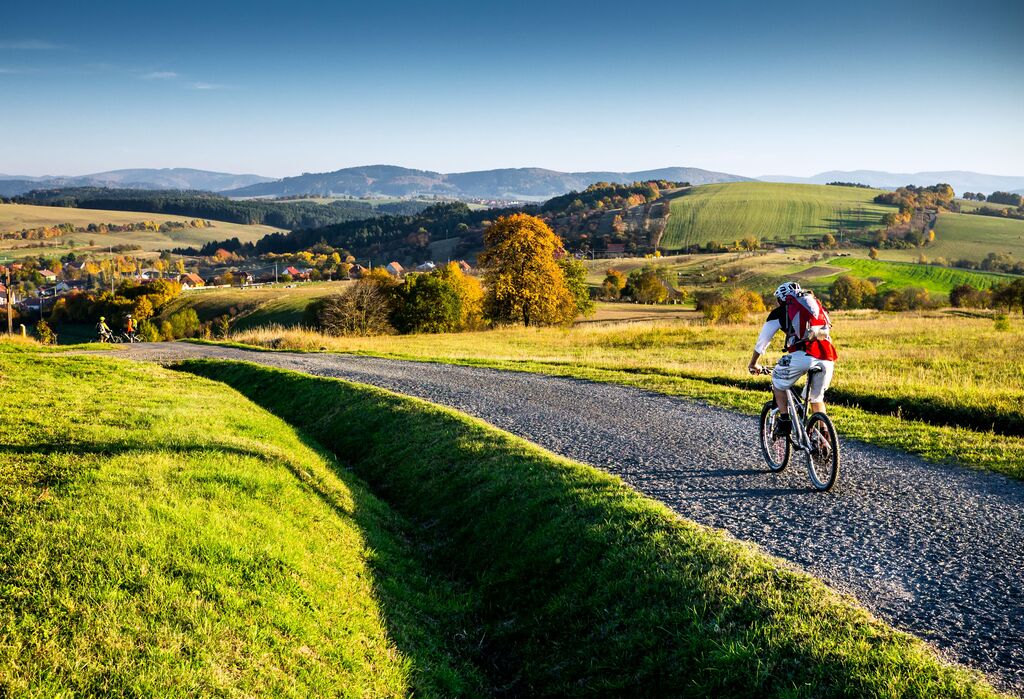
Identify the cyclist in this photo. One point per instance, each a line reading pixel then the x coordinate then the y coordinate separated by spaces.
pixel 104 330
pixel 129 327
pixel 806 324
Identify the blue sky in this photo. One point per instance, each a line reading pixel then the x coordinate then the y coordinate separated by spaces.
pixel 281 88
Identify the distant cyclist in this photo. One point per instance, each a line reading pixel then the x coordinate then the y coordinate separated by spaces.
pixel 129 327
pixel 104 330
pixel 806 324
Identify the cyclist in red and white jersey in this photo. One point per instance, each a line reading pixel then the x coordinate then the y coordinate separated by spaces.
pixel 806 324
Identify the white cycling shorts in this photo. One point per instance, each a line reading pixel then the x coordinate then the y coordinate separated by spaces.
pixel 794 365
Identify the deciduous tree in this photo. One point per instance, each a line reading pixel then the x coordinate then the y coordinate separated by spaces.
pixel 523 282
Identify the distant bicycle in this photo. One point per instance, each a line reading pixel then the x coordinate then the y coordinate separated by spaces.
pixel 814 436
pixel 108 337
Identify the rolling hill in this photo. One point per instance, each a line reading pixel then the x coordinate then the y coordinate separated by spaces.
pixel 17 217
pixel 508 183
pixel 139 178
pixel 970 237
pixel 961 181
pixel 769 211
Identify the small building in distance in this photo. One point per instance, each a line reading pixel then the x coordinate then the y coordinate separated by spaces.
pixel 464 266
pixel 426 267
pixel 395 269
pixel 191 280
pixel 356 272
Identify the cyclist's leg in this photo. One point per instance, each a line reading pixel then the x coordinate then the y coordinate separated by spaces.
pixel 819 383
pixel 787 372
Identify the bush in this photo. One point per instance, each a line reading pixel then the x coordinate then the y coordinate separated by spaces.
pixel 646 286
pixel 184 323
pixel 365 309
pixel 45 334
pixel 851 292
pixel 148 331
pixel 444 300
pixel 734 306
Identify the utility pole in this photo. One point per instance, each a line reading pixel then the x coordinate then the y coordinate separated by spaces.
pixel 10 305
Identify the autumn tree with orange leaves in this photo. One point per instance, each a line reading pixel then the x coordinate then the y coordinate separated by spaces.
pixel 524 283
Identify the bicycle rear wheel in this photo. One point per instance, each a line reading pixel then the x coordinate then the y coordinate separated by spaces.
pixel 823 456
pixel 775 451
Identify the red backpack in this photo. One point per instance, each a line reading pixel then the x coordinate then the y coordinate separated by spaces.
pixel 807 326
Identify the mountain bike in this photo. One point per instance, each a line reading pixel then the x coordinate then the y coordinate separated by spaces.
pixel 814 436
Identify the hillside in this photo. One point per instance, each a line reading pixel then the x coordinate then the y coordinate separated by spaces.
pixel 140 178
pixel 961 181
pixel 506 184
pixel 971 237
pixel 18 217
pixel 779 213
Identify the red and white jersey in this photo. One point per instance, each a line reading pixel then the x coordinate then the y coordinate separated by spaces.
pixel 806 324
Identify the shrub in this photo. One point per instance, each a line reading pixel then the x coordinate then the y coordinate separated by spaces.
pixel 148 331
pixel 444 300
pixel 646 286
pixel 734 306
pixel 365 309
pixel 45 334
pixel 184 323
pixel 851 292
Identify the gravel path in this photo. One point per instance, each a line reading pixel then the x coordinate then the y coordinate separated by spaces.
pixel 934 550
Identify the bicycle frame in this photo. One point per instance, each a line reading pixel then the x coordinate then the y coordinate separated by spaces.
pixel 798 415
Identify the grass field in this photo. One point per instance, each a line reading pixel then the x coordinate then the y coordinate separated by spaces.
pixel 935 384
pixel 969 236
pixel 586 587
pixel 163 536
pixel 257 306
pixel 15 217
pixel 771 212
pixel 897 275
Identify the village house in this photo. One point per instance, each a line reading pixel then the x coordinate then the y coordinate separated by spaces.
pixel 464 266
pixel 395 269
pixel 356 272
pixel 48 275
pixel 426 267
pixel 191 280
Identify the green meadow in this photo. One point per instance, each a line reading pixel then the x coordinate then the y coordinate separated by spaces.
pixel 772 212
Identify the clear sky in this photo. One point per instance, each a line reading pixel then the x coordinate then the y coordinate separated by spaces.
pixel 280 88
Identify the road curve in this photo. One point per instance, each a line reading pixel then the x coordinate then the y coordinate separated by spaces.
pixel 935 550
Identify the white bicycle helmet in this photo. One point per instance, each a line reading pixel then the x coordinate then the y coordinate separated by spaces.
pixel 787 289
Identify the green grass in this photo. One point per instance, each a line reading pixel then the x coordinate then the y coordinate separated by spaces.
pixel 897 275
pixel 587 587
pixel 162 536
pixel 255 307
pixel 771 212
pixel 15 217
pixel 970 236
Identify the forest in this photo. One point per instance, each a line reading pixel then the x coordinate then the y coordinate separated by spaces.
pixel 290 215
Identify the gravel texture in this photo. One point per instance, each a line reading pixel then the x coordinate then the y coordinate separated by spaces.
pixel 935 550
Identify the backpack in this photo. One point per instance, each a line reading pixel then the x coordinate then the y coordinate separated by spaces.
pixel 806 321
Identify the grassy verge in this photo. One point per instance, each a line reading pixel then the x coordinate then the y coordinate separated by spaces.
pixel 162 536
pixel 586 587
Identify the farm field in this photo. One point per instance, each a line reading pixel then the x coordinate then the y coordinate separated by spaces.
pixel 15 217
pixel 934 367
pixel 897 275
pixel 252 307
pixel 772 212
pixel 969 236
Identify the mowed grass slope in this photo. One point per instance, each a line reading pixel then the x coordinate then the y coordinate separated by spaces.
pixel 253 307
pixel 896 275
pixel 162 536
pixel 588 588
pixel 769 211
pixel 16 217
pixel 970 236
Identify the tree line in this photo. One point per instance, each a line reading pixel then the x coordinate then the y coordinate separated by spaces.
pixel 205 205
pixel 527 279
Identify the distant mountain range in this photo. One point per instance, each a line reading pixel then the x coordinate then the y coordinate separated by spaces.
pixel 145 178
pixel 960 180
pixel 528 184
pixel 508 183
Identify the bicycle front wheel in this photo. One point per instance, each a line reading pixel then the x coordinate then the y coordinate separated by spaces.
pixel 775 450
pixel 823 456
